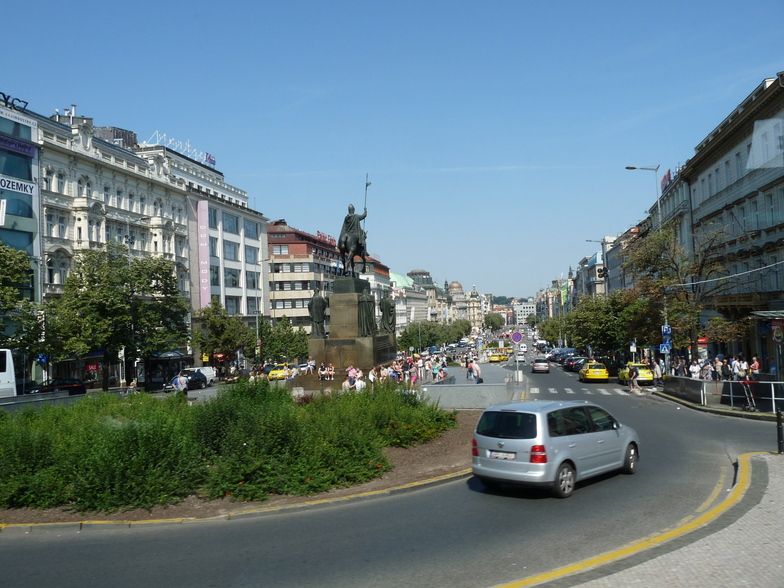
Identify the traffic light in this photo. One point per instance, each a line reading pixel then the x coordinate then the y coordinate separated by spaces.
pixel 602 272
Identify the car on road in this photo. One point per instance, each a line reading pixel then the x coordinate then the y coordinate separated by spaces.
pixel 568 364
pixel 209 373
pixel 541 365
pixel 550 444
pixel 71 385
pixel 645 377
pixel 498 356
pixel 592 371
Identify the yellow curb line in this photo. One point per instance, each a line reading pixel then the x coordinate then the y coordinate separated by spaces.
pixel 237 513
pixel 737 493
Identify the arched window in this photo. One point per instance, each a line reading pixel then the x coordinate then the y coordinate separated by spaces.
pixel 60 183
pixel 119 198
pixel 131 201
pixel 89 190
pixel 48 175
pixel 106 195
pixel 80 188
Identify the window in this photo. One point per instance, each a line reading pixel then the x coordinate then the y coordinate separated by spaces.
pixel 119 198
pixel 233 305
pixel 212 216
pixel 106 195
pixel 48 180
pixel 142 205
pixel 88 190
pixel 251 280
pixel 80 189
pixel 280 249
pixel 231 250
pixel 251 254
pixel 253 305
pixel 50 225
pixel 507 425
pixel 214 246
pixel 61 227
pixel 61 183
pixel 16 165
pixel 602 421
pixel 231 223
pixel 727 178
pixel 251 229
pixel 738 166
pixel 575 421
pixel 214 275
pixel 231 277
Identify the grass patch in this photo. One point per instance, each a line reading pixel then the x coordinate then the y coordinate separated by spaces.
pixel 107 453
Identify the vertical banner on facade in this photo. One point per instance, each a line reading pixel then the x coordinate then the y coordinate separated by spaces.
pixel 203 238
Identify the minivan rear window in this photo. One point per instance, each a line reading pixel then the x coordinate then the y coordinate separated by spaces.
pixel 507 425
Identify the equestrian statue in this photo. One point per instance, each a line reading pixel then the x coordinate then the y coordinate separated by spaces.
pixel 351 242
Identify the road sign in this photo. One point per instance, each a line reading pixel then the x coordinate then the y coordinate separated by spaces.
pixel 517 336
pixel 664 348
pixel 666 330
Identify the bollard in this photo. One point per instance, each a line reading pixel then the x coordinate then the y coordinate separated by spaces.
pixel 779 431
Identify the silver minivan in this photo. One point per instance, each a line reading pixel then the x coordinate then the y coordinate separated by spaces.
pixel 550 444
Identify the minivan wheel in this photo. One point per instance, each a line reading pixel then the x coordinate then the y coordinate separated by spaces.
pixel 563 485
pixel 630 461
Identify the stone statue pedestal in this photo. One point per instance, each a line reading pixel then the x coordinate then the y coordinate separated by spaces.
pixel 345 347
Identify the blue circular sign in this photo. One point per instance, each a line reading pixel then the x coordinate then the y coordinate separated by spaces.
pixel 517 336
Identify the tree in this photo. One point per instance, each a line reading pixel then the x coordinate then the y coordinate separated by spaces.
pixel 219 332
pixel 532 320
pixel 111 302
pixel 20 324
pixel 286 343
pixel 494 321
pixel 661 269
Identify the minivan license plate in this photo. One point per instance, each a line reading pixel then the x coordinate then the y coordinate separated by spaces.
pixel 502 455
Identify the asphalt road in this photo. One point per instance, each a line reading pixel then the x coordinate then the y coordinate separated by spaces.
pixel 457 534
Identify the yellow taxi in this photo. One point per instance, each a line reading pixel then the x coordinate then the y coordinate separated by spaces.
pixel 645 377
pixel 498 356
pixel 594 371
pixel 279 371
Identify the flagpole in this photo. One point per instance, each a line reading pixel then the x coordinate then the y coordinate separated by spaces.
pixel 365 208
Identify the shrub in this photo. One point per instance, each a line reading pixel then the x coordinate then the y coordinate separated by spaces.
pixel 110 453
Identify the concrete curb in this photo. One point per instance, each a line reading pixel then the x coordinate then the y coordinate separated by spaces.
pixel 25 528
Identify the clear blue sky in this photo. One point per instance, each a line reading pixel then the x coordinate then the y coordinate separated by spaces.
pixel 495 133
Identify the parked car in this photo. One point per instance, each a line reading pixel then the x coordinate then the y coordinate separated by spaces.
pixel 645 377
pixel 540 364
pixel 196 381
pixel 209 373
pixel 568 364
pixel 70 385
pixel 279 371
pixel 592 371
pixel 550 444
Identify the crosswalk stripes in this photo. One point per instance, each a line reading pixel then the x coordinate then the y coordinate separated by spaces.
pixel 533 391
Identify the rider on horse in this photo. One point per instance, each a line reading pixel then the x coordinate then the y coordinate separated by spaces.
pixel 352 239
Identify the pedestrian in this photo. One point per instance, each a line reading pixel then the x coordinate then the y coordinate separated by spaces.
pixel 477 372
pixel 469 369
pixel 694 369
pixel 657 375
pixel 743 368
pixel 755 368
pixel 180 383
pixel 633 375
pixel 726 371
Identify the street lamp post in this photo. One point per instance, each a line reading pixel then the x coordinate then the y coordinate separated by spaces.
pixel 655 171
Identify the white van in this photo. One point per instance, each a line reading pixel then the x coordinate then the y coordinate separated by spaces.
pixel 208 371
pixel 7 375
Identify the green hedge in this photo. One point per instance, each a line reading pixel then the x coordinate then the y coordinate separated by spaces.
pixel 106 453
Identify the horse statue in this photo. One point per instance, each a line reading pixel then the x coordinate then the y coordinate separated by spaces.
pixel 352 241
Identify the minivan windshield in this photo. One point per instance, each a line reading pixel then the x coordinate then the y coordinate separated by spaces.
pixel 507 425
